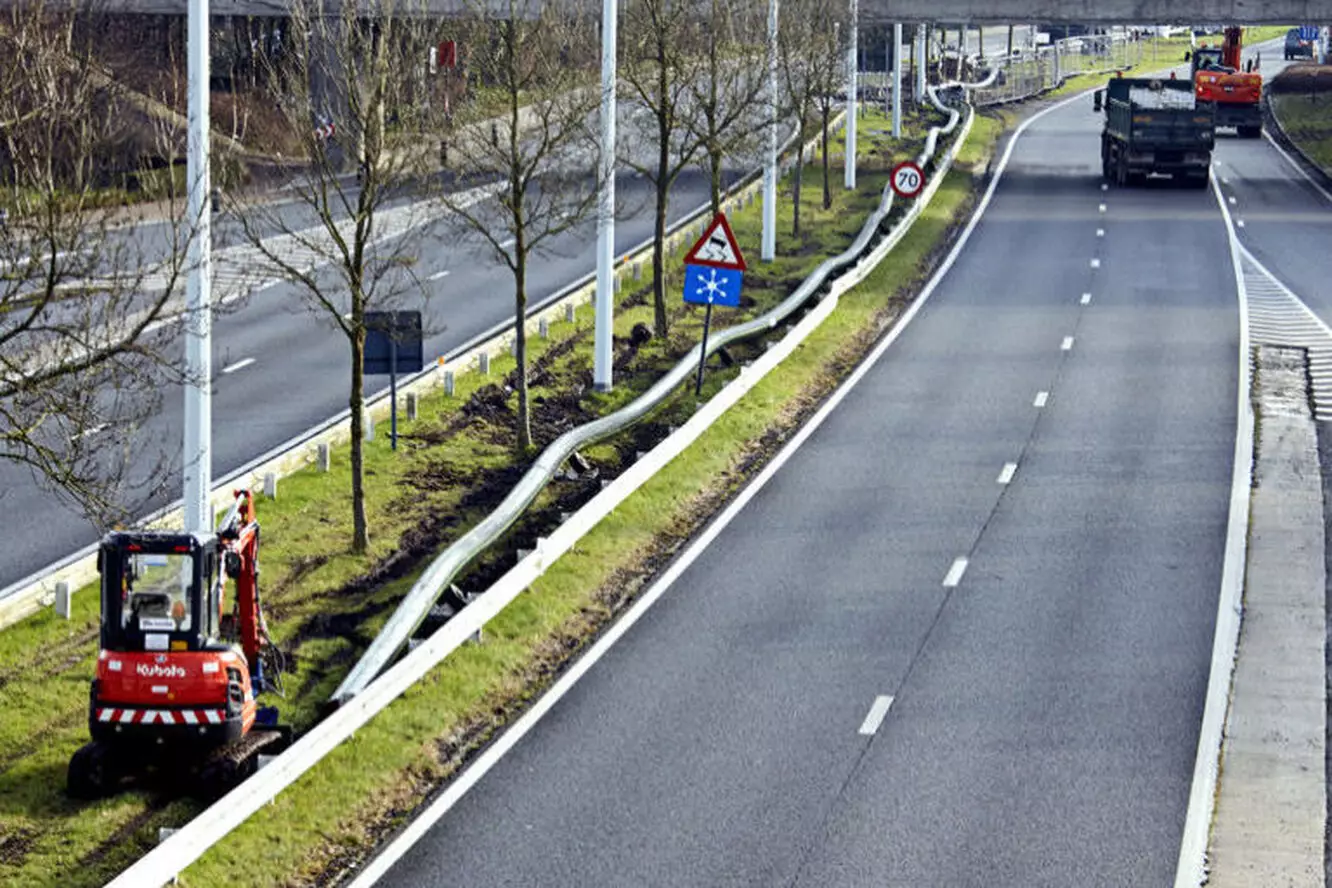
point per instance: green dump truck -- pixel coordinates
(1155, 126)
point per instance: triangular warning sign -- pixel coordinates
(717, 247)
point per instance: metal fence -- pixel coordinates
(1029, 73)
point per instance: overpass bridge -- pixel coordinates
(974, 12)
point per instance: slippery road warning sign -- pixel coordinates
(714, 270)
(908, 179)
(717, 247)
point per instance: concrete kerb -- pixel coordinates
(29, 595)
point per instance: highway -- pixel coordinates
(280, 368)
(962, 635)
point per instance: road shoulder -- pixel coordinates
(1271, 800)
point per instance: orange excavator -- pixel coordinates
(1219, 79)
(177, 674)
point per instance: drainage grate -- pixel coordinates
(1279, 317)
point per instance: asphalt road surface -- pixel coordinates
(1013, 526)
(279, 368)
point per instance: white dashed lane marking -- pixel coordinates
(1067, 344)
(954, 575)
(239, 365)
(878, 711)
(1042, 398)
(1006, 474)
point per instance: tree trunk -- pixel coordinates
(520, 340)
(356, 402)
(659, 258)
(715, 163)
(827, 181)
(799, 168)
(664, 132)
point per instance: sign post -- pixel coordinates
(714, 271)
(393, 345)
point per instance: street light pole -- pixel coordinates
(602, 358)
(897, 80)
(197, 458)
(852, 62)
(768, 250)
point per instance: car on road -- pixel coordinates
(1297, 48)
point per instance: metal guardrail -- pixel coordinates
(415, 607)
(164, 863)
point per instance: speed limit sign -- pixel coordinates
(908, 179)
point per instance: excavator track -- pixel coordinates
(228, 766)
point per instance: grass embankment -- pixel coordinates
(1301, 101)
(324, 605)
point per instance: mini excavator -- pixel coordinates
(177, 673)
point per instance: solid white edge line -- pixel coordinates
(1042, 398)
(877, 713)
(1191, 869)
(239, 365)
(1007, 473)
(412, 833)
(1298, 168)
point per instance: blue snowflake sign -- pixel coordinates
(712, 286)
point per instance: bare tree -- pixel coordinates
(83, 289)
(539, 154)
(352, 88)
(659, 64)
(809, 59)
(730, 85)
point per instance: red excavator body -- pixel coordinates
(177, 674)
(1219, 78)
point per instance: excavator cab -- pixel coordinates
(159, 592)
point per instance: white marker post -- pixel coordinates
(768, 248)
(852, 103)
(197, 458)
(605, 308)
